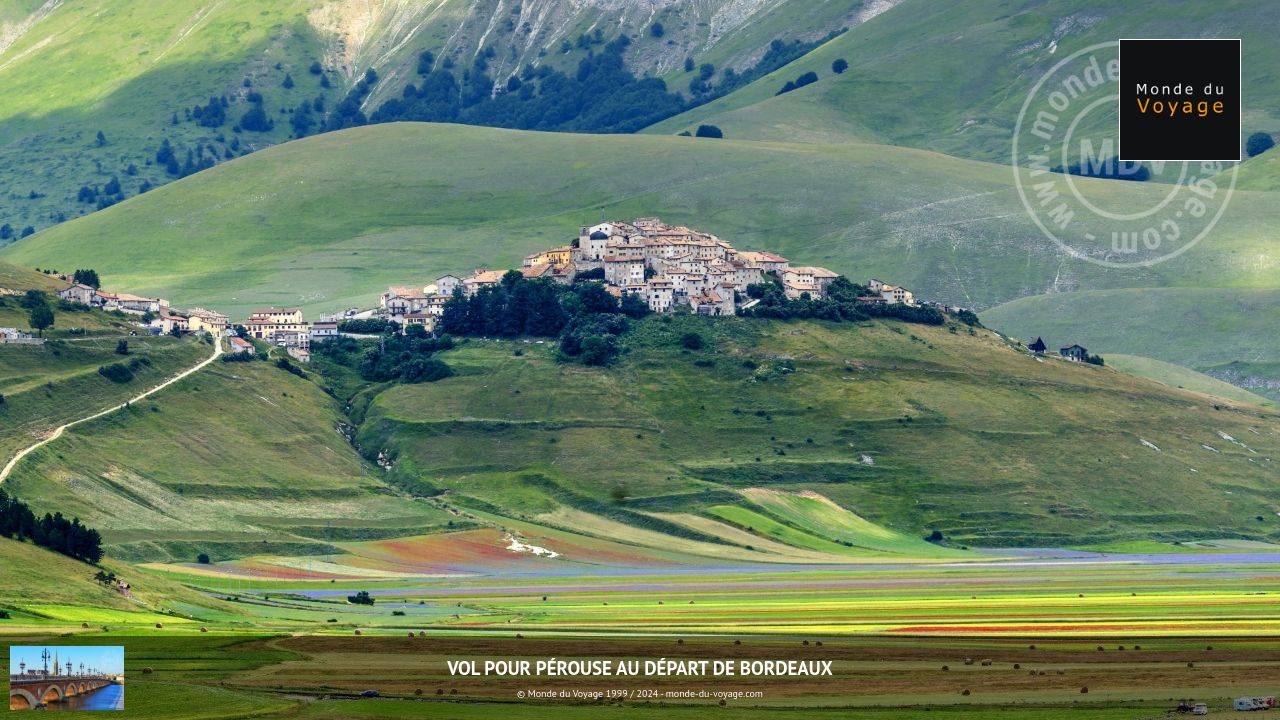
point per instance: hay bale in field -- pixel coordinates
(680, 641)
(968, 661)
(358, 632)
(1031, 647)
(690, 602)
(439, 691)
(453, 691)
(1137, 647)
(660, 602)
(1042, 673)
(1062, 672)
(1120, 647)
(159, 626)
(818, 643)
(422, 633)
(986, 663)
(1084, 690)
(204, 629)
(1031, 672)
(147, 671)
(418, 691)
(737, 642)
(1017, 666)
(805, 643)
(411, 633)
(84, 625)
(1209, 647)
(1191, 664)
(519, 636)
(965, 691)
(1101, 649)
(945, 668)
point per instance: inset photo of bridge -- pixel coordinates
(66, 677)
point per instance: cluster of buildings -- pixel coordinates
(286, 328)
(283, 327)
(155, 312)
(667, 266)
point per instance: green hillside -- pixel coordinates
(329, 221)
(1198, 328)
(952, 77)
(910, 427)
(1178, 376)
(818, 441)
(239, 458)
(46, 385)
(135, 71)
(40, 587)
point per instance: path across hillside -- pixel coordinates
(57, 433)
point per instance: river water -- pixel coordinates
(110, 697)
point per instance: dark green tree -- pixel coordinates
(839, 66)
(87, 277)
(41, 318)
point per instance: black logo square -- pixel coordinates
(1180, 100)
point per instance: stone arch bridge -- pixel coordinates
(30, 692)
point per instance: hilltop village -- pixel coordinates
(671, 268)
(668, 266)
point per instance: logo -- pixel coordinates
(1095, 206)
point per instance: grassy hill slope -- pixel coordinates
(329, 221)
(238, 458)
(952, 77)
(134, 70)
(910, 427)
(1222, 325)
(37, 586)
(1178, 376)
(46, 385)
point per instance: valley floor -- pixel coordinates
(1009, 633)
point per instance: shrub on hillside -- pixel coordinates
(284, 364)
(709, 131)
(116, 372)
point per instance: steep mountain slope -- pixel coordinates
(951, 77)
(134, 71)
(329, 221)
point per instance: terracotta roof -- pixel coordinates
(407, 293)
